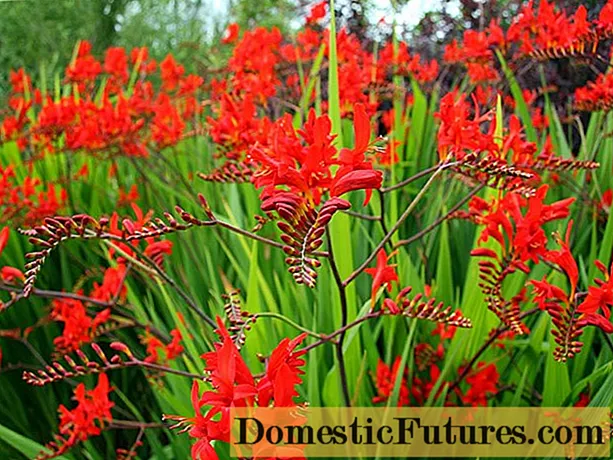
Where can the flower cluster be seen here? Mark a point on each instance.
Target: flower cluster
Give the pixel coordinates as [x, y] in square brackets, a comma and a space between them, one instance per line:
[27, 201]
[302, 161]
[118, 117]
[87, 419]
[233, 385]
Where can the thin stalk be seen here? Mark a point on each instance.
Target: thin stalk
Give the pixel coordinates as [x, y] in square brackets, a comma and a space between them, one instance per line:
[395, 228]
[438, 221]
[344, 318]
[272, 314]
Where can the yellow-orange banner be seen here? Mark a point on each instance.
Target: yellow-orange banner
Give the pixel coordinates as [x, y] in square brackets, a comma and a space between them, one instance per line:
[421, 432]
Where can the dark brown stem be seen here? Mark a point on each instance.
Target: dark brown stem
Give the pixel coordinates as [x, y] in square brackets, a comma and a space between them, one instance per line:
[333, 335]
[56, 295]
[343, 299]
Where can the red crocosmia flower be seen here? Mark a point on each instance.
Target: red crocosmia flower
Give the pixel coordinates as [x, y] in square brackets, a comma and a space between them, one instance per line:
[10, 274]
[356, 180]
[113, 285]
[172, 73]
[385, 382]
[599, 298]
[230, 376]
[383, 275]
[87, 419]
[483, 383]
[253, 63]
[231, 34]
[4, 238]
[20, 81]
[128, 197]
[607, 199]
[79, 327]
[116, 65]
[565, 260]
[355, 172]
[85, 68]
[445, 331]
[459, 132]
[154, 346]
[282, 374]
[157, 250]
[546, 294]
[303, 160]
[584, 400]
[235, 386]
[317, 12]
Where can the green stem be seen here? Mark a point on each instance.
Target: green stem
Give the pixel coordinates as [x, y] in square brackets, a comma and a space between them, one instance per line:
[285, 319]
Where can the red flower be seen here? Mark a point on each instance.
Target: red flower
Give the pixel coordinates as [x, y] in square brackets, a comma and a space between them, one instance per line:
[231, 34]
[235, 386]
[10, 274]
[79, 327]
[85, 68]
[113, 284]
[116, 65]
[599, 298]
[154, 346]
[383, 275]
[385, 382]
[172, 73]
[317, 12]
[307, 169]
[483, 383]
[87, 419]
[458, 132]
[4, 238]
[282, 374]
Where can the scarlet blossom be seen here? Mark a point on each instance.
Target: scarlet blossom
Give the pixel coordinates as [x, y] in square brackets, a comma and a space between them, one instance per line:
[128, 197]
[4, 238]
[599, 298]
[113, 284]
[158, 250]
[283, 374]
[231, 34]
[116, 65]
[317, 12]
[385, 382]
[85, 68]
[303, 160]
[483, 383]
[521, 235]
[87, 419]
[383, 275]
[155, 346]
[20, 81]
[8, 274]
[460, 131]
[171, 72]
[79, 327]
[233, 385]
